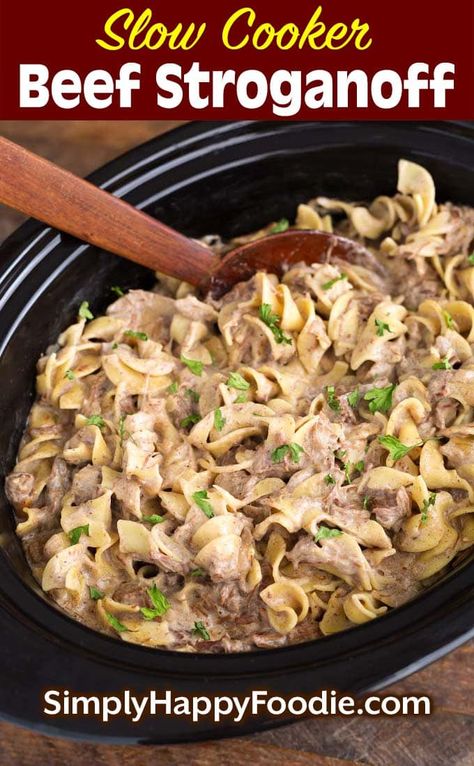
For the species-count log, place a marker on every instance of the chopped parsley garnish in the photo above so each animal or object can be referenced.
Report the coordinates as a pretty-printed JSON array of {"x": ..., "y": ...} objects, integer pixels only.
[
  {"x": 155, "y": 518},
  {"x": 332, "y": 282},
  {"x": 117, "y": 290},
  {"x": 190, "y": 420},
  {"x": 444, "y": 364},
  {"x": 241, "y": 399},
  {"x": 193, "y": 365},
  {"x": 448, "y": 319},
  {"x": 328, "y": 479},
  {"x": 69, "y": 375},
  {"x": 333, "y": 401},
  {"x": 75, "y": 534},
  {"x": 160, "y": 604},
  {"x": 273, "y": 323},
  {"x": 84, "y": 311},
  {"x": 340, "y": 454},
  {"x": 95, "y": 593},
  {"x": 426, "y": 507},
  {"x": 114, "y": 346},
  {"x": 219, "y": 419},
  {"x": 198, "y": 573},
  {"x": 96, "y": 420},
  {"x": 381, "y": 327},
  {"x": 349, "y": 468},
  {"x": 324, "y": 533},
  {"x": 282, "y": 225},
  {"x": 201, "y": 499},
  {"x": 353, "y": 397},
  {"x": 294, "y": 450},
  {"x": 193, "y": 395},
  {"x": 380, "y": 399},
  {"x": 201, "y": 630},
  {"x": 121, "y": 429},
  {"x": 396, "y": 448},
  {"x": 172, "y": 388},
  {"x": 470, "y": 258},
  {"x": 235, "y": 380},
  {"x": 116, "y": 624},
  {"x": 366, "y": 503},
  {"x": 136, "y": 334}
]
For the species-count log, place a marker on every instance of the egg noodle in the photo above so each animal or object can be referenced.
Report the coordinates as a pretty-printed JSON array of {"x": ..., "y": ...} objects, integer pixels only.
[{"x": 286, "y": 462}]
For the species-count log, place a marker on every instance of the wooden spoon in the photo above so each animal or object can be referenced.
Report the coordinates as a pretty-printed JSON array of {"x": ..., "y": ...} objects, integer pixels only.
[{"x": 41, "y": 189}]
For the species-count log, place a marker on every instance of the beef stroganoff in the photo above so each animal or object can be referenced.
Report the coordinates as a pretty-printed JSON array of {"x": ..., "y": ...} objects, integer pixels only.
[{"x": 289, "y": 461}]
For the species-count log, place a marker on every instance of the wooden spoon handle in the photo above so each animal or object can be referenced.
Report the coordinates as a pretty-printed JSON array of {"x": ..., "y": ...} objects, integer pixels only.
[{"x": 41, "y": 189}]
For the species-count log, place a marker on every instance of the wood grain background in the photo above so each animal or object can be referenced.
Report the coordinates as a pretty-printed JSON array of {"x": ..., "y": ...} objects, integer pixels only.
[{"x": 445, "y": 738}]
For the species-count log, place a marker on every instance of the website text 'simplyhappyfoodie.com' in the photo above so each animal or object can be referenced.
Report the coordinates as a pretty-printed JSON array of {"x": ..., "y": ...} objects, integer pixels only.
[{"x": 162, "y": 704}]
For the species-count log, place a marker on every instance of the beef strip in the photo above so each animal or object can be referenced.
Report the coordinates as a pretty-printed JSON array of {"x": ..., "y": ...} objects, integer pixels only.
[{"x": 20, "y": 489}]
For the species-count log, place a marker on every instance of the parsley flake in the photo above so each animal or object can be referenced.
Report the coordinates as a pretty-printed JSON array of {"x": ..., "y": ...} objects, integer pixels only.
[
  {"x": 84, "y": 311},
  {"x": 201, "y": 499},
  {"x": 444, "y": 364},
  {"x": 116, "y": 624},
  {"x": 95, "y": 593},
  {"x": 219, "y": 419},
  {"x": 201, "y": 630},
  {"x": 136, "y": 334},
  {"x": 155, "y": 518},
  {"x": 235, "y": 380},
  {"x": 148, "y": 613},
  {"x": 448, "y": 319},
  {"x": 348, "y": 472},
  {"x": 324, "y": 533},
  {"x": 117, "y": 290},
  {"x": 294, "y": 450},
  {"x": 273, "y": 323},
  {"x": 194, "y": 365},
  {"x": 159, "y": 601},
  {"x": 96, "y": 420},
  {"x": 426, "y": 507},
  {"x": 380, "y": 399},
  {"x": 121, "y": 429},
  {"x": 396, "y": 448},
  {"x": 381, "y": 327},
  {"x": 75, "y": 534},
  {"x": 332, "y": 282},
  {"x": 190, "y": 420},
  {"x": 333, "y": 401},
  {"x": 282, "y": 225},
  {"x": 328, "y": 479},
  {"x": 470, "y": 258},
  {"x": 353, "y": 397},
  {"x": 198, "y": 572},
  {"x": 172, "y": 388},
  {"x": 349, "y": 469},
  {"x": 241, "y": 399},
  {"x": 69, "y": 375}
]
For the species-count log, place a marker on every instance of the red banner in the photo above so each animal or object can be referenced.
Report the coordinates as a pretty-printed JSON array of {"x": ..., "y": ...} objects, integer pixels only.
[{"x": 336, "y": 59}]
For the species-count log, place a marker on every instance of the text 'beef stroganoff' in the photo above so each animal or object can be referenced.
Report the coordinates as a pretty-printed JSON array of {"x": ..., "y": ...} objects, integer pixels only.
[{"x": 284, "y": 463}]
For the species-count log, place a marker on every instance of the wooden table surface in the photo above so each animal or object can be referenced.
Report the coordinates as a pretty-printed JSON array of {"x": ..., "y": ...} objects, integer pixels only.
[{"x": 445, "y": 738}]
